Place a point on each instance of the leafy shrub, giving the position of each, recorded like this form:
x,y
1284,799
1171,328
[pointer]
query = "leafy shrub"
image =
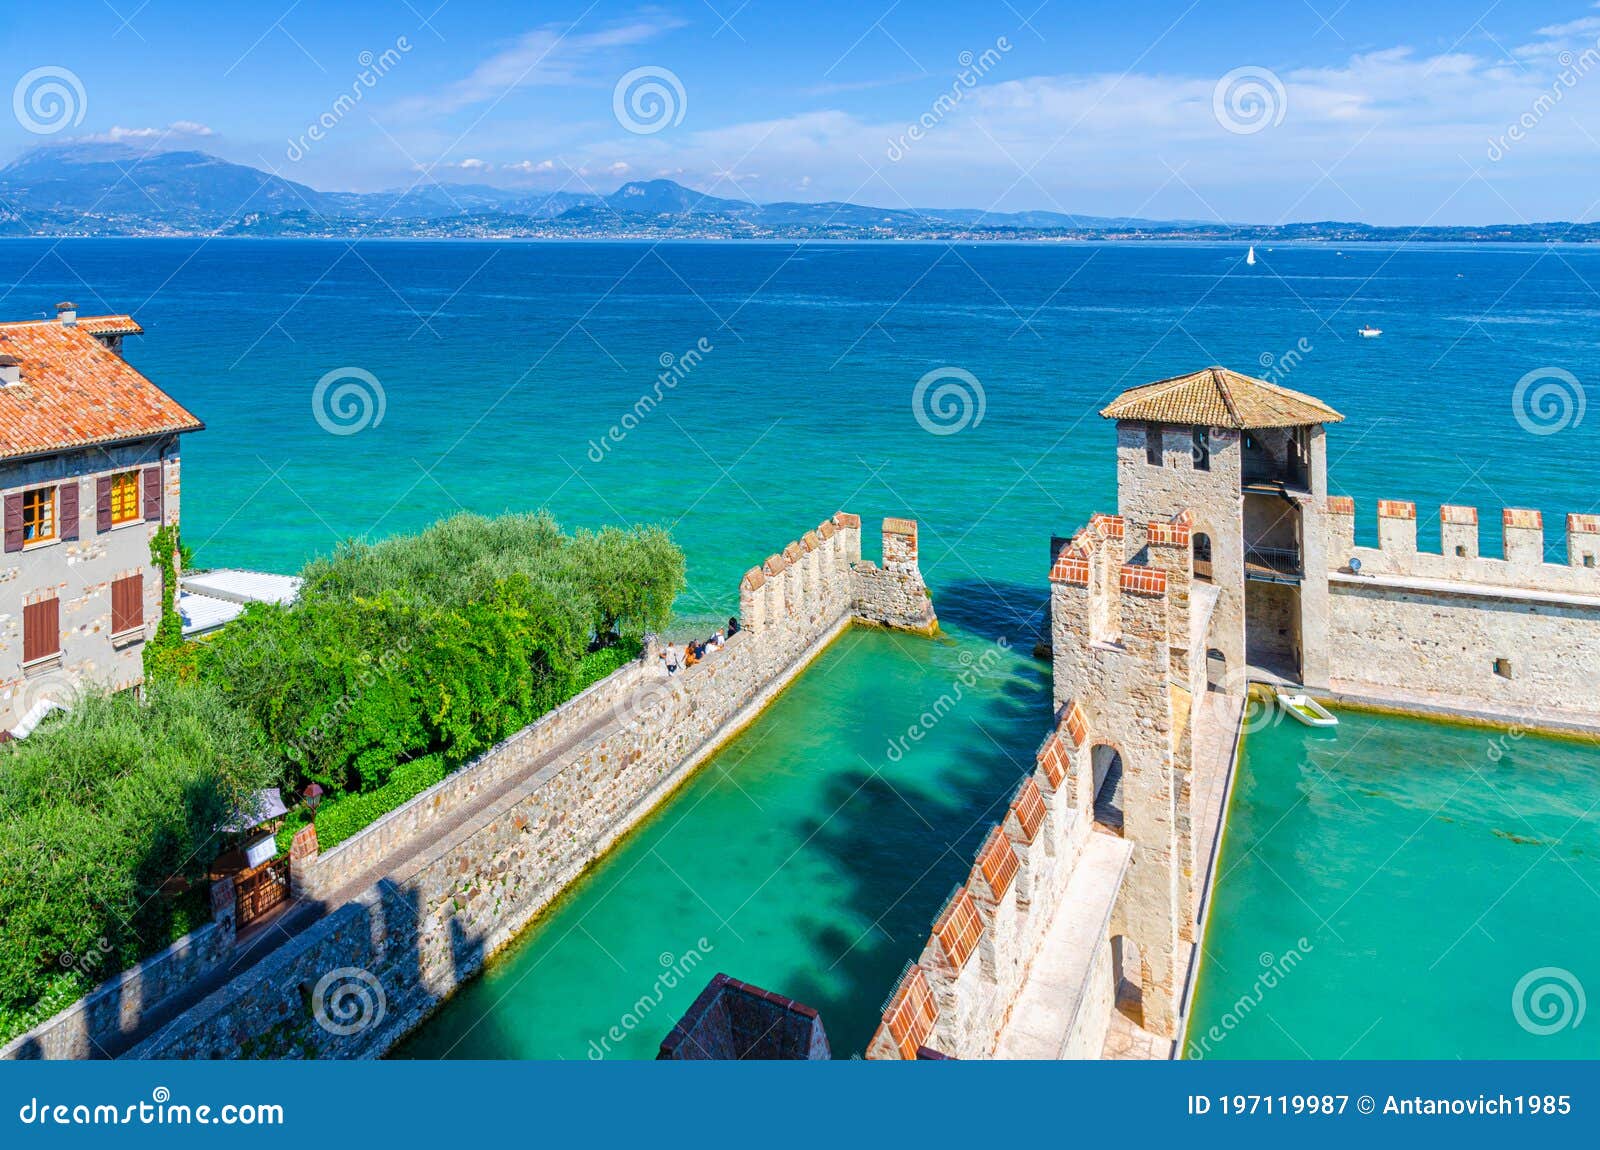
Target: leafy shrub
x,y
99,811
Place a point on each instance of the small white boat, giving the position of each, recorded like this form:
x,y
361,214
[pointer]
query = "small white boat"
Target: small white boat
x,y
1305,709
1250,256
1370,332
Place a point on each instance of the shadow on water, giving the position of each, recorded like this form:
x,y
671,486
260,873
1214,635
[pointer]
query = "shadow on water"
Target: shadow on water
x,y
995,609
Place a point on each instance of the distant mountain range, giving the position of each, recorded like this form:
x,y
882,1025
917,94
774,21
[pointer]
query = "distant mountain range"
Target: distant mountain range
x,y
115,190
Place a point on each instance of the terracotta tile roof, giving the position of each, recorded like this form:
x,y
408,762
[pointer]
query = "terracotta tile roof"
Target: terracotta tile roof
x,y
110,325
1217,397
74,392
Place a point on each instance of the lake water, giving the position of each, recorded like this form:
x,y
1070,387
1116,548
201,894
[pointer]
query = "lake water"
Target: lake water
x,y
494,373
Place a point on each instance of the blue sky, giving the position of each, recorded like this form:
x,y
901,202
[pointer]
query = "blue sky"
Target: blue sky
x,y
1386,112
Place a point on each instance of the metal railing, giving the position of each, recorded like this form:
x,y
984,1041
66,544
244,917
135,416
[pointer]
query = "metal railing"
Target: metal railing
x,y
1279,560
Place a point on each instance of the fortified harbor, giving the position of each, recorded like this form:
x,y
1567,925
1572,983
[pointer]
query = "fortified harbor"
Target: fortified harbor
x,y
1227,563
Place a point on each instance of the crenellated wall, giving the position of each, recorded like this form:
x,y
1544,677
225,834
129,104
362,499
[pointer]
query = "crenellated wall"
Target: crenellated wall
x,y
419,899
957,999
1516,637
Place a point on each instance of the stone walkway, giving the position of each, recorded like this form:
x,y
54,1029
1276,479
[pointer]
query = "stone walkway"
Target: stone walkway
x,y
1057,984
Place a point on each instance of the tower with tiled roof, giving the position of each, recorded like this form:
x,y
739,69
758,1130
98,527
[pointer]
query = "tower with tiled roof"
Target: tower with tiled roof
x,y
1247,459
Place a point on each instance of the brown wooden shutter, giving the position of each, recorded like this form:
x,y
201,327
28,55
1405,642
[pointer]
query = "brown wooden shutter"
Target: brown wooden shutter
x,y
102,504
127,604
14,522
41,630
69,509
152,493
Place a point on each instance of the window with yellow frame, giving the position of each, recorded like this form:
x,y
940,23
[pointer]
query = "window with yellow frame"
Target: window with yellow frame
x,y
39,515
125,497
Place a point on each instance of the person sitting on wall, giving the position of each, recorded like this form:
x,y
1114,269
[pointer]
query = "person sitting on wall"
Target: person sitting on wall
x,y
733,625
715,642
689,657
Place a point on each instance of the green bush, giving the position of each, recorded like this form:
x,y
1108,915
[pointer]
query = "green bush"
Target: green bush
x,y
100,810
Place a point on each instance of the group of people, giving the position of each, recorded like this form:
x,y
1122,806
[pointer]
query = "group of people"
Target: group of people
x,y
696,651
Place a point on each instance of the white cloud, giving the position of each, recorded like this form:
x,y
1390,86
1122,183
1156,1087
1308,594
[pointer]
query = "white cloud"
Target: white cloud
x,y
178,130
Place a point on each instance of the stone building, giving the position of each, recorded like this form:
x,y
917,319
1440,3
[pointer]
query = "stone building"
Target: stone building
x,y
88,474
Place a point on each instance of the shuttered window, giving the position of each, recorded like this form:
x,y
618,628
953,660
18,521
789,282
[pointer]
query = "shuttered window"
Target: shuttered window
x,y
125,497
41,630
38,515
127,604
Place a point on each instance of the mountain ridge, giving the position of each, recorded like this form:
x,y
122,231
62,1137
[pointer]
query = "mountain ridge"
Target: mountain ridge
x,y
92,189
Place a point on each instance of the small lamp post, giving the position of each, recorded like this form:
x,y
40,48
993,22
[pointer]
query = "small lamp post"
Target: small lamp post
x,y
312,795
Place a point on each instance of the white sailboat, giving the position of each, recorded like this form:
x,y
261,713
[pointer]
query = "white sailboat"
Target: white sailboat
x,y
1250,256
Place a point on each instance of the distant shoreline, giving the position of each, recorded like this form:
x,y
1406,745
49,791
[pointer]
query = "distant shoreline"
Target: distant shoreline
x,y
1441,242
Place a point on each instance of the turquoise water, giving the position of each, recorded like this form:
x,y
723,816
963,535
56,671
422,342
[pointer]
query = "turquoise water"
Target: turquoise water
x,y
807,857
1415,874
502,366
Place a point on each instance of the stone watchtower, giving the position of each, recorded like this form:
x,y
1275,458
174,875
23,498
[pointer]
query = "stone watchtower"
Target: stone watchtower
x,y
1212,571
1247,460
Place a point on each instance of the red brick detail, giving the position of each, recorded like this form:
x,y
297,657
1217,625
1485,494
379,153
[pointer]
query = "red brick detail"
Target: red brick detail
x,y
826,530
1184,518
1144,581
753,579
893,526
846,521
809,541
1071,566
1455,513
792,552
775,565
1109,526
959,928
1341,505
1053,758
998,862
1028,806
1169,534
1583,524
911,1013
1396,509
304,845
1076,723
1521,517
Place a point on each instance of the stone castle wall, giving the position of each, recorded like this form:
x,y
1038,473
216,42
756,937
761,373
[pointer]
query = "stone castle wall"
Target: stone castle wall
x,y
1514,636
412,937
956,998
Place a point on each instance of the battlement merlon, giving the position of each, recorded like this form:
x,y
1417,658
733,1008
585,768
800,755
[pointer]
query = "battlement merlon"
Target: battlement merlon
x,y
893,595
1459,557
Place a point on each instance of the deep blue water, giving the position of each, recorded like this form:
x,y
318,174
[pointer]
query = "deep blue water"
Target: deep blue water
x,y
501,364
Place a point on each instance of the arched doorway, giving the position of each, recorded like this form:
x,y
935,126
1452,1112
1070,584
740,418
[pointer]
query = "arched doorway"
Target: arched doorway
x,y
1201,543
1107,763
